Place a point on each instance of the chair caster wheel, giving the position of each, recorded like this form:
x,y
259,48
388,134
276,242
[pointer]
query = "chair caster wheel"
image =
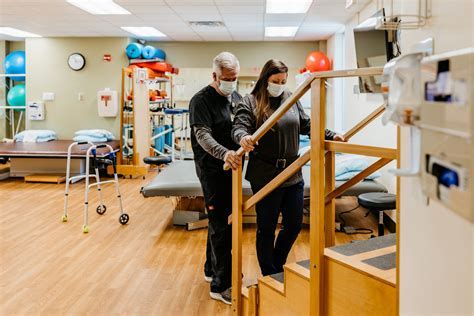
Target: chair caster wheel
x,y
101,209
64,218
123,219
85,229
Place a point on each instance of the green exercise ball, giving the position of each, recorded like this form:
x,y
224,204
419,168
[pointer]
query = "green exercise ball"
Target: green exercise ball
x,y
17,95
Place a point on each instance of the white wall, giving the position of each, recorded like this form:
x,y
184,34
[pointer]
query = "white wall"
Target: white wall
x,y
47,71
436,245
357,106
194,59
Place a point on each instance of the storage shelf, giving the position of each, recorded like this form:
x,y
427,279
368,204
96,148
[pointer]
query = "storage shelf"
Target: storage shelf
x,y
138,61
160,101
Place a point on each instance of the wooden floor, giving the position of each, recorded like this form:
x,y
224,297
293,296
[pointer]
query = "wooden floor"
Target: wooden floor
x,y
148,267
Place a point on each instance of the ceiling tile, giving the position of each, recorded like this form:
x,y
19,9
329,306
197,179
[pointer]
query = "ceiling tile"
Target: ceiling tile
x,y
241,9
126,3
195,9
189,2
145,9
201,17
244,19
240,2
216,37
160,18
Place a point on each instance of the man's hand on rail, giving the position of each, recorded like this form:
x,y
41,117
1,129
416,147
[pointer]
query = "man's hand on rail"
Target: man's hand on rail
x,y
232,159
339,138
247,144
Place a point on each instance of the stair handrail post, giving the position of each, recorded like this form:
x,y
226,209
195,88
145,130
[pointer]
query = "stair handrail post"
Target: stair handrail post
x,y
237,241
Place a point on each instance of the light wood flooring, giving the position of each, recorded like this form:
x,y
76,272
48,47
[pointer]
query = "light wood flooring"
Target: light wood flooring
x,y
148,267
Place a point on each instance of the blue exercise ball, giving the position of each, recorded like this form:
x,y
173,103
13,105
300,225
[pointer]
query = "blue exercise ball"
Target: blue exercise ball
x,y
159,53
15,63
148,52
134,50
17,95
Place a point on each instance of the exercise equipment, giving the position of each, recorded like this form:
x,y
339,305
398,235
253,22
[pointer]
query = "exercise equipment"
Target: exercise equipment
x,y
148,52
164,133
15,63
180,179
17,96
159,53
134,50
110,158
159,66
317,61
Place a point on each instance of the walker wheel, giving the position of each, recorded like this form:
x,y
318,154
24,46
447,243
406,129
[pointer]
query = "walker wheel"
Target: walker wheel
x,y
101,209
85,229
123,219
64,218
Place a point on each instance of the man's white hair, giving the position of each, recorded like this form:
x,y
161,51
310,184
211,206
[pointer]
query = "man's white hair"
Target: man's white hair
x,y
225,60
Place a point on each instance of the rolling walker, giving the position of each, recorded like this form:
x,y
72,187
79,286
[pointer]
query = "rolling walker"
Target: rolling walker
x,y
101,208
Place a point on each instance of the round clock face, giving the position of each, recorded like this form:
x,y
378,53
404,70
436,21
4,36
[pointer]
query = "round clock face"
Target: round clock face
x,y
76,61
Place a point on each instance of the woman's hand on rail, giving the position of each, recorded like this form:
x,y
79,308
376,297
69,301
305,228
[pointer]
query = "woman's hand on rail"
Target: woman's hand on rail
x,y
232,159
339,138
246,143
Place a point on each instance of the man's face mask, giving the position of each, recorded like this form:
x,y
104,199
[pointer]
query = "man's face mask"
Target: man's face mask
x,y
227,87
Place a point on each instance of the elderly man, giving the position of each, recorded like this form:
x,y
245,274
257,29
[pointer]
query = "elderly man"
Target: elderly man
x,y
211,114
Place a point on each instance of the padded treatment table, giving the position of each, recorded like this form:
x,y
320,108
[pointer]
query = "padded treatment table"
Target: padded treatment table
x,y
48,157
179,179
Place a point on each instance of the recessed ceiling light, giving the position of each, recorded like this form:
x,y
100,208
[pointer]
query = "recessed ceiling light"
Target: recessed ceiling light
x,y
280,31
143,31
288,7
10,31
99,6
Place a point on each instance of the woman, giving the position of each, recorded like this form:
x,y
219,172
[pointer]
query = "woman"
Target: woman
x,y
276,150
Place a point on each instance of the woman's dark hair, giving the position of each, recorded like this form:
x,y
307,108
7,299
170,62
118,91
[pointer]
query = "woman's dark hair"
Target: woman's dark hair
x,y
260,92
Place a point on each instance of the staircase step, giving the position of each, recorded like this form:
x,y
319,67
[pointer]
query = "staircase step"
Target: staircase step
x,y
304,264
375,257
361,246
383,262
280,277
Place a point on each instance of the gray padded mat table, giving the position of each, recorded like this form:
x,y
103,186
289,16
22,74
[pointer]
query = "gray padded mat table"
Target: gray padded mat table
x,y
179,179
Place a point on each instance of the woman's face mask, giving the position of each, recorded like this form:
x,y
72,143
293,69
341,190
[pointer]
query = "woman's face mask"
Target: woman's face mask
x,y
227,87
275,90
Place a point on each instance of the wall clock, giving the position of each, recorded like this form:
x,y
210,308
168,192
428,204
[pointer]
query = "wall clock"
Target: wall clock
x,y
76,61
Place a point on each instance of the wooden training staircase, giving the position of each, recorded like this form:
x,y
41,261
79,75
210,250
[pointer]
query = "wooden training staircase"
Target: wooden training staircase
x,y
352,284
354,279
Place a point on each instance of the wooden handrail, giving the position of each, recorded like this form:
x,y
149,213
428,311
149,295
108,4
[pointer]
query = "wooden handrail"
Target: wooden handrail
x,y
371,151
361,72
279,179
300,91
273,119
301,161
366,121
356,179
